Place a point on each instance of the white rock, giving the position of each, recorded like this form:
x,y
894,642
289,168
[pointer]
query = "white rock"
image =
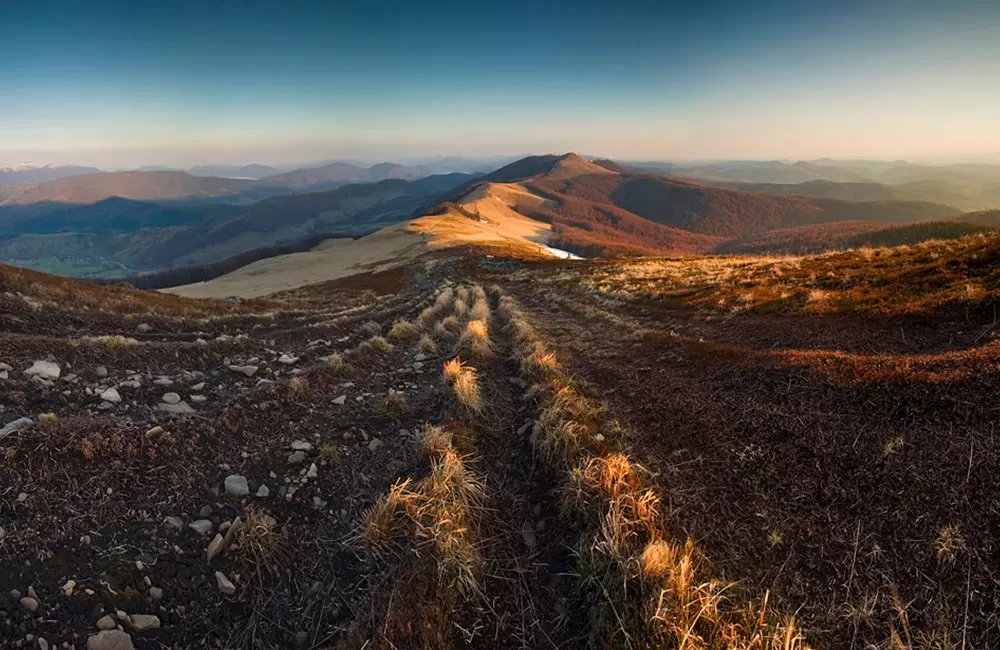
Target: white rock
x,y
110,640
262,492
236,486
198,399
198,387
101,371
143,327
182,408
16,425
68,588
225,586
106,623
301,445
4,367
214,547
247,370
176,523
4,374
111,395
143,622
201,526
296,457
44,370
340,401
313,471
171,398
287,359
374,444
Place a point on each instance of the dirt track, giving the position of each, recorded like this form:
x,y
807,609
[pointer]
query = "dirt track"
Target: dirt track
x,y
830,494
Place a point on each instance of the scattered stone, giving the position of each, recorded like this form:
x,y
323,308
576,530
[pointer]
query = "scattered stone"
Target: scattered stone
x,y
374,444
247,370
232,532
4,374
44,370
16,425
106,623
313,471
156,593
206,511
101,371
171,398
262,493
111,395
214,547
29,604
296,457
225,585
163,381
202,526
198,387
42,644
182,408
340,401
143,327
287,359
143,622
176,523
301,445
110,640
236,486
198,399
5,368
68,588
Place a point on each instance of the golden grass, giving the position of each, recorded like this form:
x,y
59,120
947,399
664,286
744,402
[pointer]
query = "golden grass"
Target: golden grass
x,y
475,340
434,516
336,361
461,308
464,384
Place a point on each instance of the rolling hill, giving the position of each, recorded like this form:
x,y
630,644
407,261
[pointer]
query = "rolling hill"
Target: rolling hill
x,y
340,173
118,236
143,186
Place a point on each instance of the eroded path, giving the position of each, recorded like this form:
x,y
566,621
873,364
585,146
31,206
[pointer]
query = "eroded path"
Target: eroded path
x,y
849,490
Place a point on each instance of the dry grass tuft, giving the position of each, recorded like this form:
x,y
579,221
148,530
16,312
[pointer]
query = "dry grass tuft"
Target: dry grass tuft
x,y
461,308
376,344
434,440
112,341
260,541
371,328
464,384
475,340
336,361
427,345
403,330
434,517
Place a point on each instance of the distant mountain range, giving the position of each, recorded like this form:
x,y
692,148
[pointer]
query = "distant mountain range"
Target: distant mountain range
x,y
30,173
129,222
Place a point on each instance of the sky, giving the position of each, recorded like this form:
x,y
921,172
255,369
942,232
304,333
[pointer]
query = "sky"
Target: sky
x,y
183,83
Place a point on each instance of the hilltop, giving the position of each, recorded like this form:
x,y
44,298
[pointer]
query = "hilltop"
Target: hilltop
x,y
515,442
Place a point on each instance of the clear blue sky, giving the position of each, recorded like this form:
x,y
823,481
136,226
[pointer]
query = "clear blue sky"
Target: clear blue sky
x,y
191,82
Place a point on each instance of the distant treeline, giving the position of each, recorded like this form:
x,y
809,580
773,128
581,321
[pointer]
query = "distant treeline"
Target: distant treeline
x,y
212,270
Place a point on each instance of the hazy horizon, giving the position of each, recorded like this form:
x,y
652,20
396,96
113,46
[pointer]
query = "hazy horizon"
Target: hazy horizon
x,y
127,86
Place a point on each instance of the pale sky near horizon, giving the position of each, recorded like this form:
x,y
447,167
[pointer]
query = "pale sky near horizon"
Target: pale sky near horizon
x,y
125,84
